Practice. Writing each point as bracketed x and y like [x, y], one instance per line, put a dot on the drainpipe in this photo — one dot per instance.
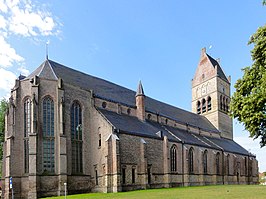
[183, 181]
[248, 170]
[223, 166]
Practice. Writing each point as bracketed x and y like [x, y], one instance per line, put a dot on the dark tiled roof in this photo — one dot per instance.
[131, 125]
[114, 92]
[229, 145]
[179, 114]
[187, 137]
[21, 77]
[220, 72]
[45, 70]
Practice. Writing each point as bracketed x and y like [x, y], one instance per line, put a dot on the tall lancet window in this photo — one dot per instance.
[209, 102]
[27, 130]
[224, 105]
[190, 161]
[173, 159]
[205, 162]
[203, 105]
[48, 135]
[218, 163]
[76, 137]
[221, 102]
[198, 107]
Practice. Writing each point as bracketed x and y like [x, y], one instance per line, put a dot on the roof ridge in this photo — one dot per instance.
[215, 63]
[120, 94]
[52, 68]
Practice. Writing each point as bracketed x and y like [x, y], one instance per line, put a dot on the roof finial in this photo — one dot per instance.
[46, 45]
[203, 51]
[140, 89]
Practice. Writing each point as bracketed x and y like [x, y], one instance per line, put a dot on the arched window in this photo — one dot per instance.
[27, 130]
[190, 161]
[48, 134]
[209, 102]
[99, 137]
[173, 156]
[27, 117]
[203, 105]
[218, 163]
[76, 137]
[221, 102]
[246, 166]
[228, 164]
[224, 103]
[198, 107]
[205, 162]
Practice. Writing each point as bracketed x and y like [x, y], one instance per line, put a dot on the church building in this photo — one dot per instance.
[65, 128]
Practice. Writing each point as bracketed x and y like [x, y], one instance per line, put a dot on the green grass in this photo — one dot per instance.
[204, 192]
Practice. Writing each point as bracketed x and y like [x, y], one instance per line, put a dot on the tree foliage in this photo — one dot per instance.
[248, 104]
[3, 109]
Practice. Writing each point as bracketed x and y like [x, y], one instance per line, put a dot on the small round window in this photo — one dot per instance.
[104, 104]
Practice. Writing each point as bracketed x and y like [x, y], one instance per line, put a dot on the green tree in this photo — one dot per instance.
[3, 109]
[248, 104]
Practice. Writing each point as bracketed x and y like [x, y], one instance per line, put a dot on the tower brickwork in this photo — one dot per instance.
[211, 94]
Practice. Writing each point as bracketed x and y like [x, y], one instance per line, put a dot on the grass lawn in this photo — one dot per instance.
[204, 192]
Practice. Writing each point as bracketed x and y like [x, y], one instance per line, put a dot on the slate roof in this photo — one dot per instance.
[45, 70]
[134, 126]
[229, 145]
[189, 138]
[220, 72]
[116, 93]
[131, 125]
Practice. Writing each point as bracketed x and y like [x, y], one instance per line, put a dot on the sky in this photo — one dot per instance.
[124, 41]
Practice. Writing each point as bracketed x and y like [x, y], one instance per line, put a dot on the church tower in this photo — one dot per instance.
[211, 94]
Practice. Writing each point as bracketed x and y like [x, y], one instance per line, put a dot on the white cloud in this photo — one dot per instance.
[7, 79]
[3, 7]
[2, 22]
[23, 18]
[27, 20]
[23, 70]
[8, 55]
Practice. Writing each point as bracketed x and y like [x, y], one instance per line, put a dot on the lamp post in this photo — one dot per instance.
[65, 184]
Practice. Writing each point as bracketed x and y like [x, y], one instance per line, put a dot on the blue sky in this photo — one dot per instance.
[124, 41]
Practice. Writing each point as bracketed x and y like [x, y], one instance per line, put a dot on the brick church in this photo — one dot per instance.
[64, 126]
